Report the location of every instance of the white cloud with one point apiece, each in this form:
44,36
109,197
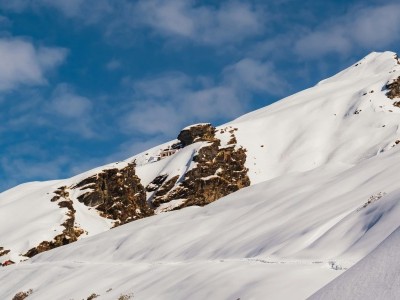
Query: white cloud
167,17
15,5
71,110
214,103
369,27
231,21
113,65
24,64
88,11
68,104
69,7
228,21
255,76
19,168
153,117
4,21
377,25
164,104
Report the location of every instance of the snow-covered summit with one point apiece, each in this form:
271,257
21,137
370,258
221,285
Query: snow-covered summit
344,120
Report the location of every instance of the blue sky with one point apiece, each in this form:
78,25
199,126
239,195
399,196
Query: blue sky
87,82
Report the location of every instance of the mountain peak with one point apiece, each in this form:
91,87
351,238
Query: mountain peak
374,64
311,176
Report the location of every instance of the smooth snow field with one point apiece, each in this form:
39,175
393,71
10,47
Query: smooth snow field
319,220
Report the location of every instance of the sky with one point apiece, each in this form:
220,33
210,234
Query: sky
88,82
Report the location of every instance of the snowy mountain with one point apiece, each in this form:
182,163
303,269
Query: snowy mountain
275,204
376,276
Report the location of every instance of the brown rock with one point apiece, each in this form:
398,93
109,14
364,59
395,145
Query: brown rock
197,133
3,252
117,194
219,172
393,89
70,233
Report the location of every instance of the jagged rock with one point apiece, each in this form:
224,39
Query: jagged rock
117,194
3,252
197,133
219,171
71,232
396,57
393,89
156,183
22,295
165,188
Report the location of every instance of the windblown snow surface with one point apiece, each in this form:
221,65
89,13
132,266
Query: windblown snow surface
376,276
325,192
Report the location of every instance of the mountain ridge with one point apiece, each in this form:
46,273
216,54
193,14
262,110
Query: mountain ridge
308,181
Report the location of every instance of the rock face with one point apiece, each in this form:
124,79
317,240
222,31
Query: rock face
70,234
117,194
3,251
197,133
219,171
394,90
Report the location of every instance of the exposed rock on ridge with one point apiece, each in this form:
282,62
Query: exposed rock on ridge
117,194
3,251
71,232
219,171
393,89
197,133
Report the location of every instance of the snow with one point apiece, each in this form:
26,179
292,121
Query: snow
195,125
177,164
37,219
318,126
324,194
287,232
188,280
299,216
376,276
169,206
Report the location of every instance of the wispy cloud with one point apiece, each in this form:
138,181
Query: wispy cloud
24,64
162,105
231,21
71,111
65,102
254,76
362,27
34,162
113,65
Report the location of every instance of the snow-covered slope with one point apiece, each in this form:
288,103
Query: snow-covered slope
323,169
344,119
284,238
375,277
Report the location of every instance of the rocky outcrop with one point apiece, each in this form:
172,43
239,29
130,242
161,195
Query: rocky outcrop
71,232
3,251
219,171
164,189
396,57
197,133
156,183
393,88
117,194
22,295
